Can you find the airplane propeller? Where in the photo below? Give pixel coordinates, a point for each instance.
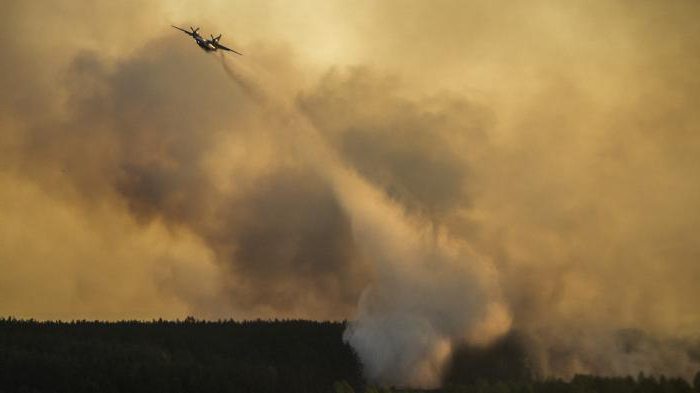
(207, 45)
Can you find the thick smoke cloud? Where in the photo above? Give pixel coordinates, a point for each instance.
(440, 174)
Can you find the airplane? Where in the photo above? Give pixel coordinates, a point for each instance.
(211, 45)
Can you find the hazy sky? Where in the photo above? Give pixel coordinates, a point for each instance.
(448, 169)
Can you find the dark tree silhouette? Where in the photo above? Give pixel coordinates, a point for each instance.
(187, 356)
(251, 356)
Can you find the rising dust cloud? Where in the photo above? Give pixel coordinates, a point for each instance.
(439, 174)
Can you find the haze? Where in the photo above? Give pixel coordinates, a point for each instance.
(438, 172)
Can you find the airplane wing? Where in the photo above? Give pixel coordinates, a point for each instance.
(189, 33)
(225, 48)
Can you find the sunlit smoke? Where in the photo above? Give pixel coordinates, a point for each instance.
(438, 175)
(425, 296)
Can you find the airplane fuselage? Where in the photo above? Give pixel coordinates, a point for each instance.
(205, 44)
(211, 45)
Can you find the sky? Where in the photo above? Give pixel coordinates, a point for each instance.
(438, 173)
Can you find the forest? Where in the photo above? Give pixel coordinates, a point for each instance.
(250, 356)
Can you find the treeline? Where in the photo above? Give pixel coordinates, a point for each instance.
(174, 356)
(579, 384)
(585, 384)
(251, 356)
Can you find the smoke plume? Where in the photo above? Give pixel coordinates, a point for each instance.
(440, 174)
(427, 292)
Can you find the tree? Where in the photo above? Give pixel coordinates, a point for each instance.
(343, 387)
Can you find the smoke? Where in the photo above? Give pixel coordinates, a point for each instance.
(535, 179)
(427, 293)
